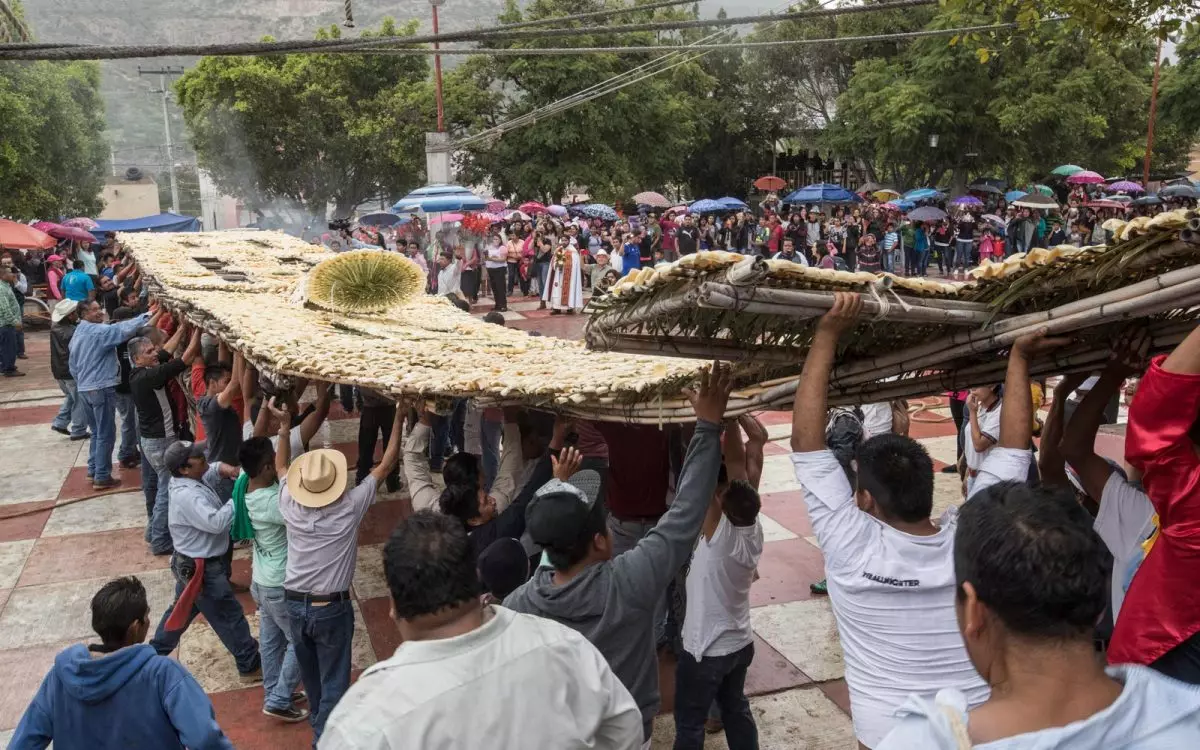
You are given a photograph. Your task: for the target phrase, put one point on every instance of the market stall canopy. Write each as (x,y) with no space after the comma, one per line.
(1066,170)
(20,236)
(927,213)
(437,198)
(652,199)
(1085,178)
(770,182)
(1034,200)
(822,192)
(164,222)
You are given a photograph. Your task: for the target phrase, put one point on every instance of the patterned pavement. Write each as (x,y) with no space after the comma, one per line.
(54,554)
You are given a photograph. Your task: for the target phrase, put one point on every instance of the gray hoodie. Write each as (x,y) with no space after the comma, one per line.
(612,602)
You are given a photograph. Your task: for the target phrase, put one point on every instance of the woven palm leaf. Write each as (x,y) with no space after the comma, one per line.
(364,281)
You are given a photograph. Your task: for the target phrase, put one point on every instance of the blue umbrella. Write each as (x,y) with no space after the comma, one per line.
(822,192)
(596,211)
(733,204)
(1015,195)
(921,194)
(707,206)
(436,198)
(901,205)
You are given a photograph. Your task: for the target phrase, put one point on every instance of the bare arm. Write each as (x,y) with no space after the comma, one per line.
(391,454)
(181,330)
(978,439)
(193,348)
(313,422)
(1050,457)
(1016,415)
(249,380)
(224,356)
(808,412)
(756,440)
(234,387)
(1185,359)
(283,452)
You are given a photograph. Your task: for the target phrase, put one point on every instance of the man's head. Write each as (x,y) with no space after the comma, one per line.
(601,257)
(413,248)
(143,352)
(445,258)
(895,479)
(465,496)
(503,567)
(184,459)
(257,459)
(494,318)
(570,526)
(91,311)
(120,613)
(430,572)
(77,265)
(1030,569)
(216,377)
(7,275)
(106,284)
(740,502)
(129,297)
(789,246)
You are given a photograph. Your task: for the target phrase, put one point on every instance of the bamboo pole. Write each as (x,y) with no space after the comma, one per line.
(669,346)
(804,304)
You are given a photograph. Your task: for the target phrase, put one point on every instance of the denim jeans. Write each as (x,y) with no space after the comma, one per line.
(542,271)
(102,418)
(489,440)
(223,612)
(149,489)
(73,411)
(129,436)
(160,534)
(281,671)
(698,683)
(8,348)
(625,536)
(962,254)
(321,634)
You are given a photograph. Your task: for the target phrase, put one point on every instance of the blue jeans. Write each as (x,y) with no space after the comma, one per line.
(149,489)
(962,254)
(73,411)
(489,440)
(321,634)
(129,436)
(281,672)
(160,534)
(223,612)
(8,349)
(698,683)
(102,418)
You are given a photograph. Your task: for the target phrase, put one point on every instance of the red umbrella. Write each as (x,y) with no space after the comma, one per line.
(1105,204)
(64,232)
(82,222)
(496,206)
(1085,177)
(770,182)
(23,237)
(532,208)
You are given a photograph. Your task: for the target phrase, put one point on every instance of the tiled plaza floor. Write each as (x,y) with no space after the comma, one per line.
(54,555)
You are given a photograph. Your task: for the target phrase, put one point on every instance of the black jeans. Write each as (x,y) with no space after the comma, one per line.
(469,284)
(957,413)
(497,278)
(698,683)
(372,421)
(514,279)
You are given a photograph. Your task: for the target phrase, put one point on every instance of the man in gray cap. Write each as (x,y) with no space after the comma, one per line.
(611,600)
(199,522)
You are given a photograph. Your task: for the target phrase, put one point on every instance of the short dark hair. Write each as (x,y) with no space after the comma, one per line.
(596,523)
(461,497)
(216,372)
(118,604)
(741,503)
(255,455)
(77,265)
(494,317)
(459,302)
(429,565)
(1034,559)
(123,313)
(898,473)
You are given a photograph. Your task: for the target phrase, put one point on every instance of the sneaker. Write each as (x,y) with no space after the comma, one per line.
(299,697)
(289,715)
(84,436)
(61,430)
(105,484)
(250,678)
(820,587)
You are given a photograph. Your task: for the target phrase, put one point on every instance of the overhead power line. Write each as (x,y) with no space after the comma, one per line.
(493,34)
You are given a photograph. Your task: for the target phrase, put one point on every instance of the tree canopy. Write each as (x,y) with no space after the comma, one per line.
(53,155)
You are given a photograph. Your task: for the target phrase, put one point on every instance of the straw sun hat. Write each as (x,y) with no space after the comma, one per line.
(317,478)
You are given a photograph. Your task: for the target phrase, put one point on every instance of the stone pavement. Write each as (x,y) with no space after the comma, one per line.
(54,556)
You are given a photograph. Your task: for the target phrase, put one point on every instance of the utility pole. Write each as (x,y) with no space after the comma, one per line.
(1150,123)
(437,68)
(162,73)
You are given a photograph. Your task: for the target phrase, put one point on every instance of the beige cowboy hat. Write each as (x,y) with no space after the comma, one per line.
(63,309)
(317,478)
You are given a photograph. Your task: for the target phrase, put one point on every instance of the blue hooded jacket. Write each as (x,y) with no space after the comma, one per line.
(131,698)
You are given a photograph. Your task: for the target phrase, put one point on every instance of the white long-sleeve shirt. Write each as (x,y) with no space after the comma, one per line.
(518,681)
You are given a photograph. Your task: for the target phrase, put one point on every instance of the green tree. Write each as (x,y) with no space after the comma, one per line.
(634,139)
(1179,106)
(314,129)
(52,149)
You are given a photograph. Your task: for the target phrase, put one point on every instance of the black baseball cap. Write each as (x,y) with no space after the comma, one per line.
(559,512)
(180,452)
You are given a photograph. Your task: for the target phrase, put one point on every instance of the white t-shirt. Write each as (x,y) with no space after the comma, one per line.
(294,439)
(1125,520)
(877,419)
(989,425)
(717,622)
(892,594)
(518,681)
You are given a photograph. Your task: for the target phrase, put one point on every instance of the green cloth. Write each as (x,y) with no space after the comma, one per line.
(242,528)
(10,311)
(270,536)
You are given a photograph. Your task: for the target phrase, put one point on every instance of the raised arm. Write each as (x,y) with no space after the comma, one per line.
(234,387)
(391,453)
(809,409)
(504,486)
(1051,462)
(1016,414)
(182,330)
(417,475)
(756,441)
(283,414)
(313,422)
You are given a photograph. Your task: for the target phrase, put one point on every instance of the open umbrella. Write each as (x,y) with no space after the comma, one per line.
(733,204)
(496,206)
(533,208)
(884,194)
(927,213)
(515,214)
(993,219)
(900,205)
(493,217)
(1105,204)
(822,192)
(675,210)
(1085,177)
(1015,195)
(966,200)
(597,211)
(1124,186)
(707,206)
(652,199)
(1149,199)
(438,198)
(1121,198)
(24,237)
(921,194)
(871,187)
(770,182)
(983,187)
(379,219)
(82,222)
(1066,170)
(1178,190)
(557,210)
(74,234)
(446,219)
(1033,200)
(1045,190)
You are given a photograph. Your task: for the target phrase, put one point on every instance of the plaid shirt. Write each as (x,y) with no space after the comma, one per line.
(10,311)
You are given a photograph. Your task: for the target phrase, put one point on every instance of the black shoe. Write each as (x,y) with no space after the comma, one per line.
(61,430)
(14,374)
(949,469)
(105,484)
(133,462)
(392,484)
(22,356)
(290,715)
(163,552)
(84,436)
(299,697)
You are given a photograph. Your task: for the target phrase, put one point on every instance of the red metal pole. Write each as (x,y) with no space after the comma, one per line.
(1150,124)
(437,75)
